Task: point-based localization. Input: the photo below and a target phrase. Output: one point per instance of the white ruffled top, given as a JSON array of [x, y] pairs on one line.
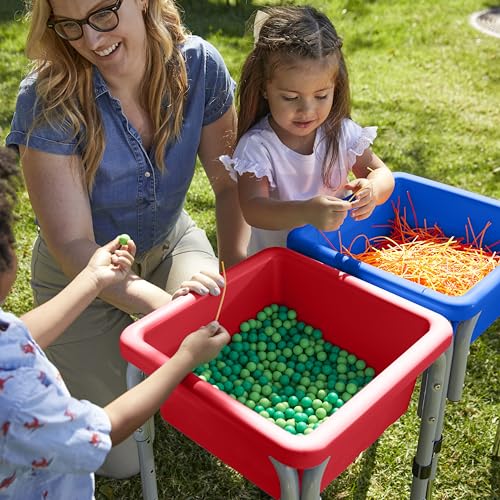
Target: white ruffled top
[[294, 176]]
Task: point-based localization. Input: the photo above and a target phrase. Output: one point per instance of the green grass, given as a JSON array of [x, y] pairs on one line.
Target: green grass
[[430, 83]]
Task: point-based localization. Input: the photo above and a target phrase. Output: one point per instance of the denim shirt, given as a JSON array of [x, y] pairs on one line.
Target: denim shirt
[[130, 194]]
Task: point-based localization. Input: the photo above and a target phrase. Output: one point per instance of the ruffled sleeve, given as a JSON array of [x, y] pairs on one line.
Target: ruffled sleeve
[[357, 140], [251, 156]]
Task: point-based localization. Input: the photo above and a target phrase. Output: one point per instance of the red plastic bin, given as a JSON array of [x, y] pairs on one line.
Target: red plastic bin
[[399, 339]]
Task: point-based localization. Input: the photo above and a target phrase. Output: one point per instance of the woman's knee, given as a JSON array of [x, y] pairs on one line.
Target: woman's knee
[[122, 461]]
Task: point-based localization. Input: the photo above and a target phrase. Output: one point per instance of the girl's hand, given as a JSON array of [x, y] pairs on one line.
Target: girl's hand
[[202, 283], [204, 344], [112, 262], [327, 213], [363, 202]]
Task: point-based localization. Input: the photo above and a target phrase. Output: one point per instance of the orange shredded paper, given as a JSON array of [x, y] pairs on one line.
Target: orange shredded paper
[[223, 292], [425, 255]]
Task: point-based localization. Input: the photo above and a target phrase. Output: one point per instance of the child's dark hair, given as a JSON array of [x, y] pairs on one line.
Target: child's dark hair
[[9, 176], [288, 33]]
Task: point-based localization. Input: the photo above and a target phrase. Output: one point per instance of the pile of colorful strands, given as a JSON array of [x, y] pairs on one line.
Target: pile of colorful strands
[[425, 255]]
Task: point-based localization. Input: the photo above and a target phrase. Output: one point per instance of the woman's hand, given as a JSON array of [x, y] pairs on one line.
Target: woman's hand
[[202, 283]]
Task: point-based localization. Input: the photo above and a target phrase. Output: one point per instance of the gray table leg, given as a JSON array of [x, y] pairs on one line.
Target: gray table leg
[[421, 396], [438, 439], [289, 480], [290, 488], [455, 383], [144, 439], [311, 482], [460, 354], [434, 395]]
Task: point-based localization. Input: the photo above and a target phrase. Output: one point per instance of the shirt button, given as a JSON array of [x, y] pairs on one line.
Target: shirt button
[[147, 174]]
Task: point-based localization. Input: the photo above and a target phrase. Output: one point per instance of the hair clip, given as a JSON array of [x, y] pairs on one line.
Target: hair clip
[[260, 18]]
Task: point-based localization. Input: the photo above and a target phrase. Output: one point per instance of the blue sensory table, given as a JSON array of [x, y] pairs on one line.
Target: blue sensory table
[[458, 213]]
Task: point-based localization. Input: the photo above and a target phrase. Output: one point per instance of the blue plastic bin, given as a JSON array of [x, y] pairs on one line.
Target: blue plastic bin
[[453, 210], [437, 203]]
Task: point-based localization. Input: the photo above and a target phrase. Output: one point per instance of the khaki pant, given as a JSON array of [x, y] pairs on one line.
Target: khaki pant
[[87, 354]]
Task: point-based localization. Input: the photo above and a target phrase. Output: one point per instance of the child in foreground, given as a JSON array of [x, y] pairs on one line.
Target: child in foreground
[[296, 142], [51, 443]]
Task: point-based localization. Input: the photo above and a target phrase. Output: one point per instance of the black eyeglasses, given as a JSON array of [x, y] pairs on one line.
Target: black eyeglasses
[[105, 19]]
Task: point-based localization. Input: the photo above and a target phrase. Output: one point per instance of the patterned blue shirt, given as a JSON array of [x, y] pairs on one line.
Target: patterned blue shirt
[[130, 194], [50, 443]]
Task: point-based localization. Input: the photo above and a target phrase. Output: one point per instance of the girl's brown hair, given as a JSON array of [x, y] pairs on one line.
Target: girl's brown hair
[[285, 34], [65, 84]]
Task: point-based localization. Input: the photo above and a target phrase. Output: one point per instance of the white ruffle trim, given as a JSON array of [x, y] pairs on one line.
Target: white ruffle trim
[[364, 141], [238, 166], [227, 161]]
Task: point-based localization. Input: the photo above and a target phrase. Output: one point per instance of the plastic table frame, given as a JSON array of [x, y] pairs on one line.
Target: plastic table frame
[[309, 488], [305, 484], [470, 314]]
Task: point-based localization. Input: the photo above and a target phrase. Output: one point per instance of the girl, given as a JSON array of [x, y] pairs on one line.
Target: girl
[[51, 442], [296, 143]]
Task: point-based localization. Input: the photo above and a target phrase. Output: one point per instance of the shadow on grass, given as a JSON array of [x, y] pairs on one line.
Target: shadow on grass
[[495, 474], [201, 17], [186, 470], [10, 10], [207, 17], [367, 468]]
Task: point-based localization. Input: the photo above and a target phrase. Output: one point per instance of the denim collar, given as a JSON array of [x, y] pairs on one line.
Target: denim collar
[[100, 86]]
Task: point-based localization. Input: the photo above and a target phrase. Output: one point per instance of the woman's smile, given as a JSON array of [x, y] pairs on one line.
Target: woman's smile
[[108, 51]]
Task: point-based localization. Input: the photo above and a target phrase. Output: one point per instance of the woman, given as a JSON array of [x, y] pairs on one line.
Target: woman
[[121, 101]]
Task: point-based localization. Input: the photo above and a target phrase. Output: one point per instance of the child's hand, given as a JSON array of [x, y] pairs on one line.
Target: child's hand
[[112, 262], [364, 201], [204, 344], [327, 213], [201, 283]]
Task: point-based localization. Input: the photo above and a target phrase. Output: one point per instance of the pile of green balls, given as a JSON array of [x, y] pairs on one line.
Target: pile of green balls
[[284, 370]]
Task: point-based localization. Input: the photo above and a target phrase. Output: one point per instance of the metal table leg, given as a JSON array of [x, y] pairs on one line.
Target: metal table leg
[[421, 396], [289, 480], [434, 394], [311, 482], [290, 487], [454, 386], [144, 439], [438, 439], [461, 348]]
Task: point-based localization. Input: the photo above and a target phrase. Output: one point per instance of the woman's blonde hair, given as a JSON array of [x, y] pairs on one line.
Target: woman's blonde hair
[[288, 33], [65, 84]]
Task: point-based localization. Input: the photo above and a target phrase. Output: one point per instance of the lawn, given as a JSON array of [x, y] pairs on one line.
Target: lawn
[[431, 83]]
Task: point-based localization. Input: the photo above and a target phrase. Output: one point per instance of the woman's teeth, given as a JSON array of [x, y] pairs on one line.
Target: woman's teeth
[[107, 51]]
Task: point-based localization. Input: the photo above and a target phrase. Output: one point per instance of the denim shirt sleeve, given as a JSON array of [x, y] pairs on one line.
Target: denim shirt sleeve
[[55, 138], [219, 89]]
